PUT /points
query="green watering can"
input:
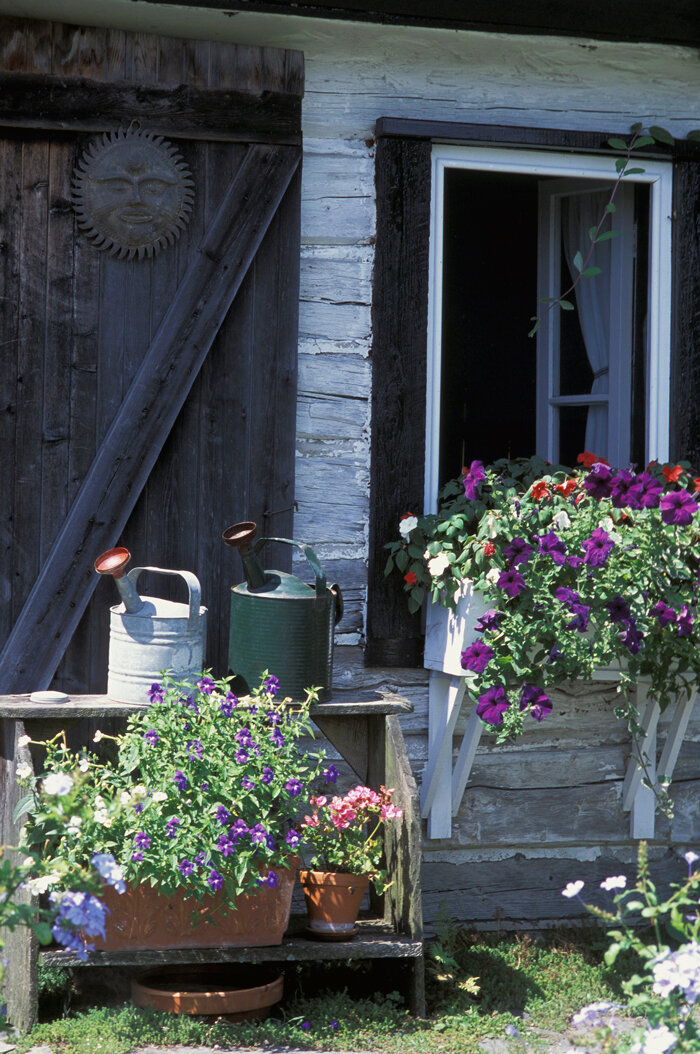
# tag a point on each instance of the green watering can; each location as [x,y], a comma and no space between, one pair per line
[279,623]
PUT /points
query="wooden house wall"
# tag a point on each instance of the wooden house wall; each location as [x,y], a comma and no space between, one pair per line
[547,809]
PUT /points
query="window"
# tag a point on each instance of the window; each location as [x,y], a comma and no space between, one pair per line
[412,392]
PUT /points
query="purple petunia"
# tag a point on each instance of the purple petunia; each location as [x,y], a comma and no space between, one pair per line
[186,867]
[137,857]
[581,615]
[632,638]
[492,705]
[472,479]
[664,614]
[206,685]
[684,622]
[180,780]
[200,859]
[618,609]
[151,737]
[267,775]
[258,834]
[511,582]
[292,839]
[477,656]
[518,551]
[626,491]
[226,845]
[489,621]
[598,548]
[535,700]
[567,596]
[241,756]
[551,545]
[156,693]
[598,482]
[678,507]
[141,840]
[271,881]
[650,491]
[294,787]
[330,775]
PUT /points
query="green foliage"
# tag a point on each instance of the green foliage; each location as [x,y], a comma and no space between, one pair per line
[204,789]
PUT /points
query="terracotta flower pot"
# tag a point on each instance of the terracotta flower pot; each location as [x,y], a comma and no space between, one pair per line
[144,918]
[233,991]
[333,900]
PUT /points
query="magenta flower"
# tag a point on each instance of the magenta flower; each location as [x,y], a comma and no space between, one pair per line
[492,705]
[511,582]
[473,478]
[598,548]
[678,507]
[477,656]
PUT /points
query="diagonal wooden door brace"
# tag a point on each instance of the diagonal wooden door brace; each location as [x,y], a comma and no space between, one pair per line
[141,426]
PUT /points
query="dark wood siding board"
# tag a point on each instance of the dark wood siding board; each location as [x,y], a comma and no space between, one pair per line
[78,51]
[115,65]
[62,590]
[34,188]
[181,112]
[57,346]
[398,384]
[171,61]
[685,374]
[626,20]
[10,203]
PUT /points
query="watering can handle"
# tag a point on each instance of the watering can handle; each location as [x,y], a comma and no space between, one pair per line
[193,586]
[310,556]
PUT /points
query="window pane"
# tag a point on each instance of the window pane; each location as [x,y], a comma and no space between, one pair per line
[573,421]
[575,373]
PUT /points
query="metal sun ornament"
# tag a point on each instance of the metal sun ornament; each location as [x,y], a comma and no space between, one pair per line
[132,193]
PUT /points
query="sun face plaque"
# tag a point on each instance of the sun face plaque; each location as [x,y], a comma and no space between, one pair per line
[132,193]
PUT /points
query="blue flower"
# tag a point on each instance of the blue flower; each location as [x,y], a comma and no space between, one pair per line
[109,869]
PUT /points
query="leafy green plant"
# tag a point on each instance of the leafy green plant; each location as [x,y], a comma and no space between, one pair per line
[579,569]
[204,794]
[345,834]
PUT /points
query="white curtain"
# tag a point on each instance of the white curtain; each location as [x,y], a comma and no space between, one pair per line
[579,213]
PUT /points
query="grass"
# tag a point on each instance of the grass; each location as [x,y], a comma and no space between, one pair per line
[536,984]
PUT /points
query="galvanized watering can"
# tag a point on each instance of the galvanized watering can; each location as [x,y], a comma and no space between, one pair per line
[279,623]
[149,634]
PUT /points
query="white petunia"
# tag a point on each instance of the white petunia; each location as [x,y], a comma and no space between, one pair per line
[58,783]
[407,524]
[438,564]
[23,771]
[614,882]
[97,736]
[493,575]
[691,857]
[572,889]
[492,525]
[561,520]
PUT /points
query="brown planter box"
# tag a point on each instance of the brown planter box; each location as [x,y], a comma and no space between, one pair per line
[142,918]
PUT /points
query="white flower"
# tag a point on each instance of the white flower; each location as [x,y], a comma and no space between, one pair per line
[492,525]
[24,741]
[42,883]
[438,564]
[590,1016]
[24,771]
[408,524]
[607,523]
[679,969]
[125,797]
[83,764]
[614,882]
[74,825]
[572,889]
[139,791]
[97,736]
[493,575]
[691,857]
[58,783]
[561,520]
[159,796]
[659,1040]
[102,817]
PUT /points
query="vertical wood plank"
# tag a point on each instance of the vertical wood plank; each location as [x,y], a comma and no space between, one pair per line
[10,224]
[398,386]
[685,314]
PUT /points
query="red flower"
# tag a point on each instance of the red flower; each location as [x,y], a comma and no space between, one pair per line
[696,481]
[489,548]
[406,515]
[411,577]
[539,490]
[566,487]
[672,475]
[587,459]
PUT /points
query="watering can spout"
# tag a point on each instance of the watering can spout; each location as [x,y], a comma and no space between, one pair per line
[114,562]
[239,536]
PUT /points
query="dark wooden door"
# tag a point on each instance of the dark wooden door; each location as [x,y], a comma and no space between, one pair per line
[145,402]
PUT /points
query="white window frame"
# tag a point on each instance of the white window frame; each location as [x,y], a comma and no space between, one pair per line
[546,164]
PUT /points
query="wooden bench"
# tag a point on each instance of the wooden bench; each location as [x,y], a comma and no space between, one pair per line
[364,728]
